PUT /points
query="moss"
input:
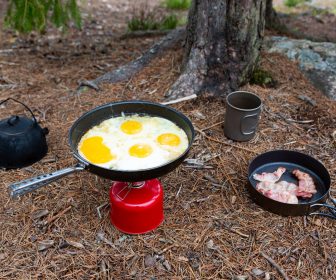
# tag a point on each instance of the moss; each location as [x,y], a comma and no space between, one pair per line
[262,78]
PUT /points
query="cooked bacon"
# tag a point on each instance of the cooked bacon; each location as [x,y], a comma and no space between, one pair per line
[270,177]
[306,187]
[282,191]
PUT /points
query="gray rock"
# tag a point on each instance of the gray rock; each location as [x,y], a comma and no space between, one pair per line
[317,60]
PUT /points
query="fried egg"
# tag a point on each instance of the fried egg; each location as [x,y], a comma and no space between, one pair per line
[133,142]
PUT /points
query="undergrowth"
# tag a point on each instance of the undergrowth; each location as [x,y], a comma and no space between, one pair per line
[177,4]
[145,19]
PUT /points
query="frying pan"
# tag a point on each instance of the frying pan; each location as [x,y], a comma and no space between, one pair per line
[96,116]
[270,161]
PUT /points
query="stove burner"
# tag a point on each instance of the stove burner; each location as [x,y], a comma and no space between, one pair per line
[136,207]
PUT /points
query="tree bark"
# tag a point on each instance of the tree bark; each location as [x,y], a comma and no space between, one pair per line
[271,17]
[222,46]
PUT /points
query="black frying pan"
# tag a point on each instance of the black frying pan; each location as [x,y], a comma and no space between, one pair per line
[270,161]
[96,116]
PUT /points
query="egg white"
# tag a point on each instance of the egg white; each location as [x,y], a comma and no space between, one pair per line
[119,142]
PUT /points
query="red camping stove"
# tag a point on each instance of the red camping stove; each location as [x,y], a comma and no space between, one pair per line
[136,207]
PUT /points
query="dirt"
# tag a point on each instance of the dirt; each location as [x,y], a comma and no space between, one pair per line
[210,231]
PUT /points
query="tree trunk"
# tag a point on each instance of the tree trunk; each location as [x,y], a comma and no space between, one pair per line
[271,17]
[222,46]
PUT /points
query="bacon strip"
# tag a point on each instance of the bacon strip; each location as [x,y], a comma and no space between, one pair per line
[306,187]
[270,177]
[282,191]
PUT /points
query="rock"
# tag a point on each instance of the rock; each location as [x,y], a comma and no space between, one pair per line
[317,60]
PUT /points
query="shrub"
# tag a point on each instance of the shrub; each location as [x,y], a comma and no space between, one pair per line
[177,4]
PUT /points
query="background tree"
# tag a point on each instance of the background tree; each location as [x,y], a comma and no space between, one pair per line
[221,48]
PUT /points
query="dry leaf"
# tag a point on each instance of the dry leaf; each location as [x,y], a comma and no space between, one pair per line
[183,259]
[39,214]
[76,244]
[45,244]
[149,261]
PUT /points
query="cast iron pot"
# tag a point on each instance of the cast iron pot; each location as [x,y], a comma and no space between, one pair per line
[270,161]
[96,116]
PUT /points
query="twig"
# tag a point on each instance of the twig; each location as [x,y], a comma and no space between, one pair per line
[8,63]
[239,233]
[57,216]
[303,122]
[211,126]
[10,86]
[180,99]
[272,262]
[100,207]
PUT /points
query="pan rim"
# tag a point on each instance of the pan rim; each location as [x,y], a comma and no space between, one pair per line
[128,172]
[301,204]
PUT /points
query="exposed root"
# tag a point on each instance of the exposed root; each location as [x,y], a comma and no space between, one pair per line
[146,33]
[187,84]
[126,71]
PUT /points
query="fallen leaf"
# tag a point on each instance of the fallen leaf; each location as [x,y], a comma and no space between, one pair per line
[45,244]
[317,222]
[257,272]
[182,259]
[210,245]
[39,214]
[233,199]
[166,265]
[240,277]
[76,244]
[2,256]
[149,261]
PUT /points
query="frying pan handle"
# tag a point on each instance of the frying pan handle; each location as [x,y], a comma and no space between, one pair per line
[331,208]
[32,184]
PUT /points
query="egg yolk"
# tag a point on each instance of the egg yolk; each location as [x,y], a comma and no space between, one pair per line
[131,127]
[169,139]
[95,151]
[140,150]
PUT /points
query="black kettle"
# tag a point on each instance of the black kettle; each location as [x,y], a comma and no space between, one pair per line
[22,140]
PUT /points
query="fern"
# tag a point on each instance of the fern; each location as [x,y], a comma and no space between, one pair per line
[28,15]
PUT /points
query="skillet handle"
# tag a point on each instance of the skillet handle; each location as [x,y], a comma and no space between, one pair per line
[331,208]
[32,184]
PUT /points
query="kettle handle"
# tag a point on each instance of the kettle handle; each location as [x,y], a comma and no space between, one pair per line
[24,105]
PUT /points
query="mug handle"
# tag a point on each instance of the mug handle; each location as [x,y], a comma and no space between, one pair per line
[241,124]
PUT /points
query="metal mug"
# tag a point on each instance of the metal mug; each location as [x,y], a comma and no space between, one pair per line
[242,115]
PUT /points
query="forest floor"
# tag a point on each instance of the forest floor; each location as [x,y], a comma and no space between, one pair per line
[211,230]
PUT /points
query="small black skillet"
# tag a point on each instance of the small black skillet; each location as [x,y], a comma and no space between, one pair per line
[270,161]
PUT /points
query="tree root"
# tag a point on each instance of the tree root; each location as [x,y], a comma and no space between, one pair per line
[187,84]
[126,71]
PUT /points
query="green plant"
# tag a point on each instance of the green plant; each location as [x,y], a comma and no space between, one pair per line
[169,22]
[151,20]
[28,15]
[262,78]
[293,3]
[177,4]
